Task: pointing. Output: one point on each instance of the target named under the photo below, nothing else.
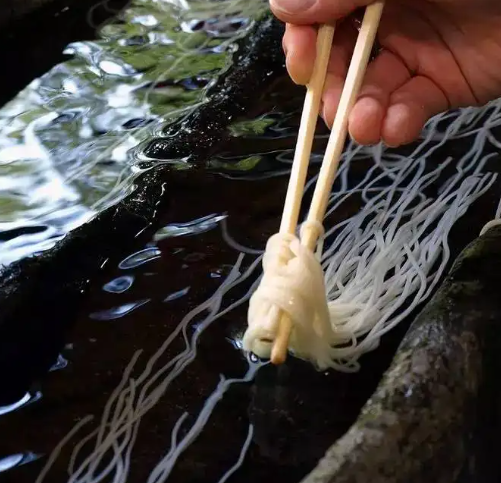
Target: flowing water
(66, 152)
(65, 139)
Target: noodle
(128, 403)
(60, 446)
(392, 253)
(161, 472)
(241, 457)
(375, 264)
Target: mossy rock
(434, 416)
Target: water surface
(66, 139)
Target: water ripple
(117, 312)
(61, 363)
(177, 295)
(119, 284)
(140, 258)
(195, 227)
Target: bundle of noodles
(393, 252)
(378, 265)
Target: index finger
(309, 12)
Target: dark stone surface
(435, 414)
(11, 9)
(55, 281)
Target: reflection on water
(117, 312)
(61, 363)
(139, 258)
(189, 228)
(119, 284)
(15, 460)
(28, 398)
(66, 139)
(177, 295)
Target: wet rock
(255, 66)
(434, 416)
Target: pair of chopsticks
(356, 72)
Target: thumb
(301, 12)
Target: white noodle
(60, 446)
(494, 222)
(121, 418)
(233, 243)
(241, 457)
(163, 469)
(390, 254)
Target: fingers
(300, 49)
(299, 44)
(410, 107)
(384, 75)
(308, 12)
(392, 106)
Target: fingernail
(323, 115)
(292, 6)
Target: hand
(435, 55)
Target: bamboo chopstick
(334, 149)
(300, 164)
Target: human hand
(435, 55)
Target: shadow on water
(296, 412)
